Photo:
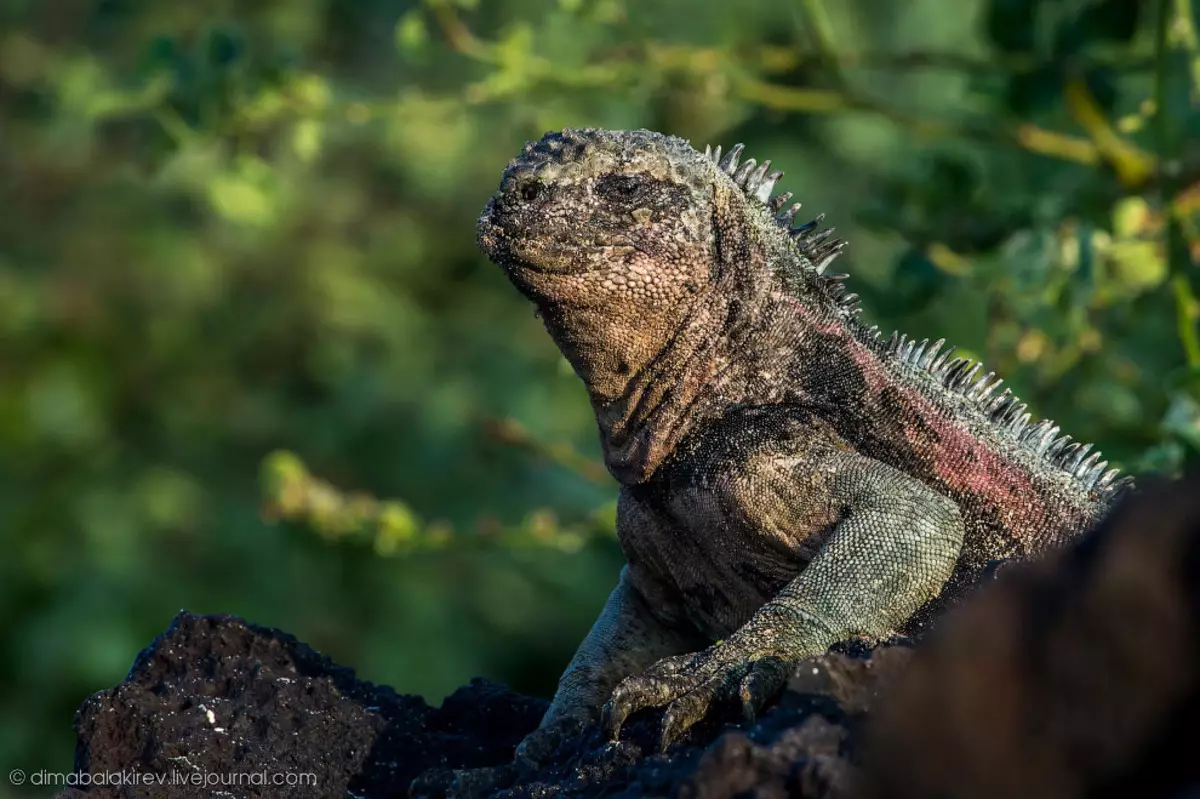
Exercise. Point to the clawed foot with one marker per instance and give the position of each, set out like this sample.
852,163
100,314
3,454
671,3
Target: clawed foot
690,684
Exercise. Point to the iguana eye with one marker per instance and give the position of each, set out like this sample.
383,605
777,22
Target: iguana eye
622,188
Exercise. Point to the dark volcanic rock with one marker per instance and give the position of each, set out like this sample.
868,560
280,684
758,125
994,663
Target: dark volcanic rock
216,699
216,704
1072,677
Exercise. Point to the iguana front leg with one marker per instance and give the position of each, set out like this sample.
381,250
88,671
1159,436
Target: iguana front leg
893,548
626,638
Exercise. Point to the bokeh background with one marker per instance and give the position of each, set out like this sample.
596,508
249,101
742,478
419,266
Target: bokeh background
252,362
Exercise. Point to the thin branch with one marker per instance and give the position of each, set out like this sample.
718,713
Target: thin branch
1040,141
1132,166
458,35
777,59
1062,146
512,433
992,64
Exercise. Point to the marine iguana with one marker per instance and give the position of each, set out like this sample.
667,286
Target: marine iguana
789,477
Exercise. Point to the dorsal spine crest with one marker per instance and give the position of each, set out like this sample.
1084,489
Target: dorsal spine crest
819,247
1006,411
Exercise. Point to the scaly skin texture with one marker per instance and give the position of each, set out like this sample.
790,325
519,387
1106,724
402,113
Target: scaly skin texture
788,478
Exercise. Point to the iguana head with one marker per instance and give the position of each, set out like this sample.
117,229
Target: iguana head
610,234
615,235
602,216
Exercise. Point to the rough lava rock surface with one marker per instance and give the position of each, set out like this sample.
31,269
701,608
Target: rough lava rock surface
218,698
215,698
1072,677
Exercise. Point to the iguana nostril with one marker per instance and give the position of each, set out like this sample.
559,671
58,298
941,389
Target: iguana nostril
530,190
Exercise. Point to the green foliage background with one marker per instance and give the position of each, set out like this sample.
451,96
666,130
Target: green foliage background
251,361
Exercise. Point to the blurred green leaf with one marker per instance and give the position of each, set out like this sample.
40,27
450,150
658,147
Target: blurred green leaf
412,35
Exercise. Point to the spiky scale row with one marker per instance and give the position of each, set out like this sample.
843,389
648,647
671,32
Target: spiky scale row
756,182
1006,411
753,178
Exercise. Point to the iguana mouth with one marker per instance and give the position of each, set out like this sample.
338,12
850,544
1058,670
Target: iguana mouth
508,246
521,263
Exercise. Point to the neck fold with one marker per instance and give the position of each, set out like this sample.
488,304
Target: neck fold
664,401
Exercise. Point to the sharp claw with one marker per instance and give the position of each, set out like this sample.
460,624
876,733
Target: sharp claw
685,712
764,679
611,720
668,735
749,711
689,683
630,696
673,727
